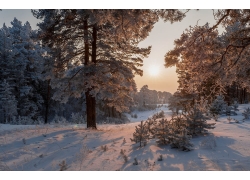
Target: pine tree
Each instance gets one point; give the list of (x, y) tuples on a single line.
[(162, 131), (150, 124), (7, 102), (28, 67), (218, 105), (6, 54), (235, 106), (246, 114), (197, 122), (229, 110), (181, 141), (141, 134)]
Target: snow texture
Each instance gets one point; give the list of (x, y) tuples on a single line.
[(73, 148)]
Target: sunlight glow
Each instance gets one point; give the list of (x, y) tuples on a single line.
[(154, 70)]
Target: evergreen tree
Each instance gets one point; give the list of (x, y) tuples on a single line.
[(6, 54), (218, 105), (235, 106), (150, 124), (7, 101), (162, 131), (28, 66), (197, 122), (141, 134), (246, 114), (229, 110), (181, 141)]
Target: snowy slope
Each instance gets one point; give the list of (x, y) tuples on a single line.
[(46, 146)]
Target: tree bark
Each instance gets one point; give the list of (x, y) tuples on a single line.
[(113, 111), (90, 103), (47, 103), (90, 100)]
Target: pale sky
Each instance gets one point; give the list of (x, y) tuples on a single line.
[(161, 38)]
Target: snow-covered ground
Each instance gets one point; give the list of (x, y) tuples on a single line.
[(144, 115), (44, 147)]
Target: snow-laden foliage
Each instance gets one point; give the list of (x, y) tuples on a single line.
[(141, 134), (235, 106), (21, 67), (8, 102), (158, 115), (229, 110), (197, 122), (209, 61), (161, 131), (246, 114), (77, 118), (25, 120), (218, 106), (151, 124), (181, 141), (58, 120), (166, 132), (181, 101)]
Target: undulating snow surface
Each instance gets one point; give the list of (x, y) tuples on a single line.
[(44, 147)]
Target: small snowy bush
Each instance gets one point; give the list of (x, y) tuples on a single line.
[(58, 120), (235, 106), (141, 134), (229, 110), (135, 162), (229, 119), (246, 114), (104, 148), (196, 122), (23, 120), (160, 158), (215, 117), (181, 140), (63, 166), (150, 124), (124, 156), (161, 131), (77, 118), (218, 105), (24, 141), (158, 115)]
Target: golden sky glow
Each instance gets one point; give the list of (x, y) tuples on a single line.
[(154, 70), (161, 38)]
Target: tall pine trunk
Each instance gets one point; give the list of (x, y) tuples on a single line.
[(47, 103), (90, 100)]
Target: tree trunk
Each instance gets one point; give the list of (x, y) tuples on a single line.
[(244, 97), (113, 111), (90, 108), (47, 104)]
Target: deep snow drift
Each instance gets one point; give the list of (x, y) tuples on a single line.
[(44, 147)]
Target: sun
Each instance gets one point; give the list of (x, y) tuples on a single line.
[(154, 70)]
